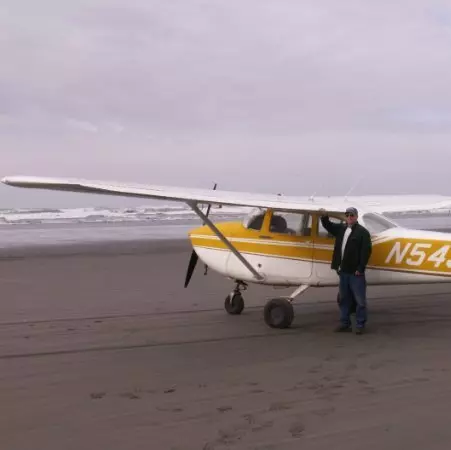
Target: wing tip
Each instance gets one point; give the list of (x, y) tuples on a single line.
[(8, 180), (15, 180), (24, 180)]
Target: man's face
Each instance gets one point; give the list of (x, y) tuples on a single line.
[(351, 218)]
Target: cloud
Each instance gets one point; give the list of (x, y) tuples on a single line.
[(82, 125), (180, 91), (227, 65)]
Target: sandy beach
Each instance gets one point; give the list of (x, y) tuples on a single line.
[(102, 348)]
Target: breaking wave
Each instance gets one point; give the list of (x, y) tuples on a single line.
[(108, 215)]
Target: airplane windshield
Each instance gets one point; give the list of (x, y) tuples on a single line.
[(376, 223), (254, 220)]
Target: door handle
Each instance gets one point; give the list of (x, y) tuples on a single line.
[(266, 237)]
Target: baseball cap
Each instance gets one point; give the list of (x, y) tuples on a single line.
[(352, 210)]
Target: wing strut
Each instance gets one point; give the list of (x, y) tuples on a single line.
[(218, 233)]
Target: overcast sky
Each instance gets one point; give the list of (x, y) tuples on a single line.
[(257, 95)]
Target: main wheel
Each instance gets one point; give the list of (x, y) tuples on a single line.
[(234, 305), (278, 313)]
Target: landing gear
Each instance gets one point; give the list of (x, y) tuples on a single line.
[(234, 302), (278, 313)]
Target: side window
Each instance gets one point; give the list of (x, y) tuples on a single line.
[(322, 232), (256, 222), (376, 224), (295, 224)]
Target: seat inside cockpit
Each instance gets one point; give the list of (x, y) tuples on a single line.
[(278, 224)]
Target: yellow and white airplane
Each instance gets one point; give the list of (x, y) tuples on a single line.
[(282, 242)]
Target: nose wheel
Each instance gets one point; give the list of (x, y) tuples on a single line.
[(234, 302), (278, 313)]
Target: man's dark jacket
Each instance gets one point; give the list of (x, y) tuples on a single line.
[(358, 248)]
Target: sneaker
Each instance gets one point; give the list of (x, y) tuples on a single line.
[(359, 331)]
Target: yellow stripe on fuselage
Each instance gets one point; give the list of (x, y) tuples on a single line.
[(280, 249), (405, 254)]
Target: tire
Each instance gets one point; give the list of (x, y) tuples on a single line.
[(234, 305), (278, 313)]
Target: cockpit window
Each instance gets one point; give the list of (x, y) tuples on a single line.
[(322, 232), (297, 224), (254, 220), (375, 223)]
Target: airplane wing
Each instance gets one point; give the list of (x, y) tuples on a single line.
[(407, 203), (379, 203), (186, 195)]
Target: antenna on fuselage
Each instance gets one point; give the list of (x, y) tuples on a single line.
[(353, 187)]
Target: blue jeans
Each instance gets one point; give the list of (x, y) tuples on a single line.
[(353, 286)]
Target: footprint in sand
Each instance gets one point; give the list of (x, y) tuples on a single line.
[(130, 395), (229, 437), (169, 391), (263, 426), (256, 391), (223, 409), (279, 406), (97, 395), (249, 418), (297, 429), (163, 409)]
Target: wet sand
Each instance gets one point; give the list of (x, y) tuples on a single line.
[(102, 348)]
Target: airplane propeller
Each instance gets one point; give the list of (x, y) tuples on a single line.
[(194, 257)]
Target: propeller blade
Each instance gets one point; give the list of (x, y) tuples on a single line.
[(191, 266)]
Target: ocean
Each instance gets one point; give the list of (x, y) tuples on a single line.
[(46, 226)]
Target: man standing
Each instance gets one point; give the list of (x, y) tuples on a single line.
[(350, 257)]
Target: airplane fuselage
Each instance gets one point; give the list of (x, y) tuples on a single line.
[(399, 255)]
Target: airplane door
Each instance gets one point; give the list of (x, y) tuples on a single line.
[(290, 243)]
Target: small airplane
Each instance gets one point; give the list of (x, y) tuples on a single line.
[(281, 242)]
